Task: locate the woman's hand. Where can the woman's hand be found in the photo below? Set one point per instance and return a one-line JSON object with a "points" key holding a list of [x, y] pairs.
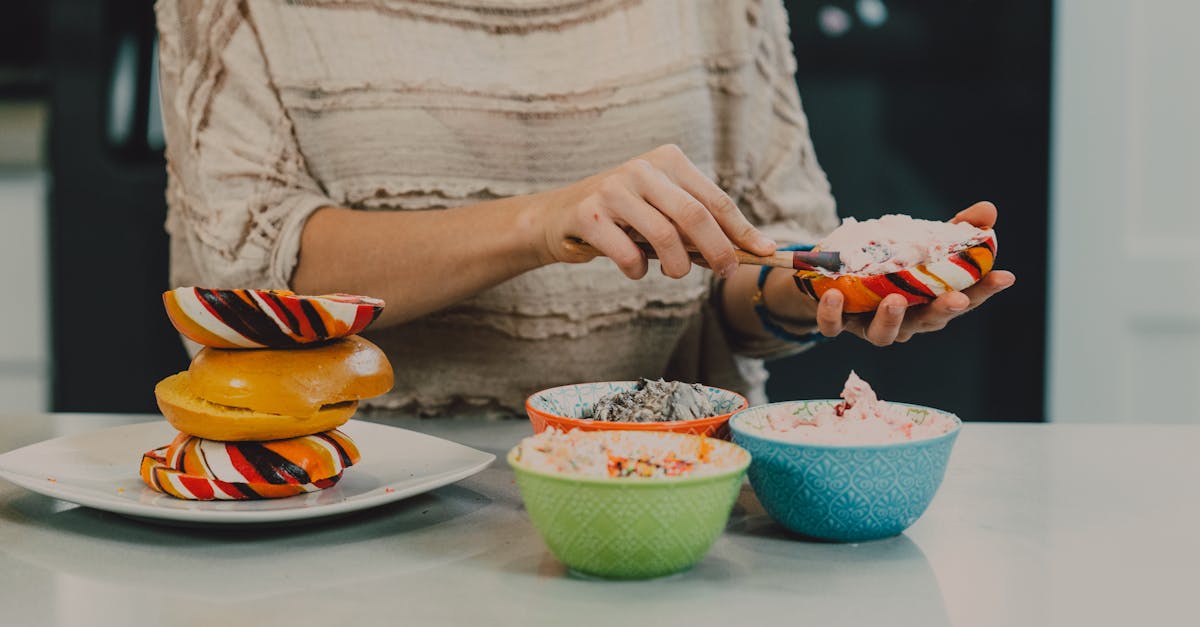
{"points": [[663, 197], [893, 322]]}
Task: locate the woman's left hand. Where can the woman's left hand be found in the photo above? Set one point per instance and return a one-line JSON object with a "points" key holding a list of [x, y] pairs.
{"points": [[894, 322]]}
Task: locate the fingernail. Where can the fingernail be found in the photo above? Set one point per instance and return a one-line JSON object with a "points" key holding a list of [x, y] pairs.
{"points": [[895, 310], [762, 241], [834, 298], [955, 308]]}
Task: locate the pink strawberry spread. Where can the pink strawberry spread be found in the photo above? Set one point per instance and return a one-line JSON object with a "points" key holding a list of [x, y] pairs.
{"points": [[896, 242], [860, 419]]}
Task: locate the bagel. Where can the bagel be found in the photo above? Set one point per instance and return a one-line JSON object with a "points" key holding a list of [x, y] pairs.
{"points": [[955, 267], [245, 318], [288, 381], [196, 416], [200, 469]]}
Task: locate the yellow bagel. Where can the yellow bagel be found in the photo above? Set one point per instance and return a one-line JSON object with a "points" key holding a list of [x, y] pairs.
{"points": [[291, 381], [196, 416]]}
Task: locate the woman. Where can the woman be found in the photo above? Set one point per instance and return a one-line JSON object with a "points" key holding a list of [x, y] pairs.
{"points": [[444, 156]]}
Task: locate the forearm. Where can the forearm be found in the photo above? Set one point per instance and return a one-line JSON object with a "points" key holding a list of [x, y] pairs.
{"points": [[784, 300], [422, 261], [418, 261]]}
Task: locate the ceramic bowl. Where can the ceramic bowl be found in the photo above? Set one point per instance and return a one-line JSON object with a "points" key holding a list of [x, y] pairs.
{"points": [[564, 407], [841, 493], [633, 527]]}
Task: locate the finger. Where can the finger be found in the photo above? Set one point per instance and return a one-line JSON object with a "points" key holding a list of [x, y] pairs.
{"points": [[691, 217], [886, 323], [948, 305], [981, 214], [615, 243], [829, 313], [671, 160], [935, 315], [995, 282], [653, 226]]}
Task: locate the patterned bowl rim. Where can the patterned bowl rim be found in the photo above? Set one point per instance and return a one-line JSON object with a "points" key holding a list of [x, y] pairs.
{"points": [[640, 482], [735, 426], [632, 426]]}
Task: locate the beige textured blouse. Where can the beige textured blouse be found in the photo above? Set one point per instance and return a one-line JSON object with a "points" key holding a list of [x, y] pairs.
{"points": [[274, 109]]}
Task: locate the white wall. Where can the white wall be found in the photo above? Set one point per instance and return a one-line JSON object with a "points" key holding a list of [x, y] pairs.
{"points": [[1125, 236], [23, 322], [24, 326]]}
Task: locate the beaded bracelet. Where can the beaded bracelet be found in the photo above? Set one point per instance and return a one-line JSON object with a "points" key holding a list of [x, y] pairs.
{"points": [[764, 316]]}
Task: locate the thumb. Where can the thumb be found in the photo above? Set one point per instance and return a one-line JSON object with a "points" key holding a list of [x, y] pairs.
{"points": [[981, 214]]}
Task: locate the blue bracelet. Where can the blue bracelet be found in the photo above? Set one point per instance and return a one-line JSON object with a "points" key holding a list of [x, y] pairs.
{"points": [[764, 316]]}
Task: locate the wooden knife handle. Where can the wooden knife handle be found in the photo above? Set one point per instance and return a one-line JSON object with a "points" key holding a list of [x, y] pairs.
{"points": [[780, 259]]}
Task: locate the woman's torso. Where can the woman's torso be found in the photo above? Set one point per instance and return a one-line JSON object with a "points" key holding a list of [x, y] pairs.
{"points": [[423, 106]]}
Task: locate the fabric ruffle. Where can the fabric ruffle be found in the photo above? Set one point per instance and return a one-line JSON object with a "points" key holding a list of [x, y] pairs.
{"points": [[273, 110]]}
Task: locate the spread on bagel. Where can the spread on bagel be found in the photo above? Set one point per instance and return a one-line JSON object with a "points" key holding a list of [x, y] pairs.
{"points": [[896, 254], [259, 407]]}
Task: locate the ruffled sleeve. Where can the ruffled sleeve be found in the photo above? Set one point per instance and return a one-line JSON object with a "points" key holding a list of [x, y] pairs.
{"points": [[787, 193], [239, 190]]}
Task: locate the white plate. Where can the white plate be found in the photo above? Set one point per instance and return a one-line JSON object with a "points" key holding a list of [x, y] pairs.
{"points": [[100, 470]]}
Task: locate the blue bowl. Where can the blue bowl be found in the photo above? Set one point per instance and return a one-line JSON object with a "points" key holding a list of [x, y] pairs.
{"points": [[842, 493]]}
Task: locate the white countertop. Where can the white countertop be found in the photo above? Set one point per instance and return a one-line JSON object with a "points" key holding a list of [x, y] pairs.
{"points": [[1034, 525]]}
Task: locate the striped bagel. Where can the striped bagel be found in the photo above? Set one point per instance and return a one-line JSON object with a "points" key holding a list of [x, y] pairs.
{"points": [[243, 318], [919, 285], [204, 470]]}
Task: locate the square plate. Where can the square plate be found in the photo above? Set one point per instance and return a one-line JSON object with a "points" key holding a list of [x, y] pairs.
{"points": [[100, 469]]}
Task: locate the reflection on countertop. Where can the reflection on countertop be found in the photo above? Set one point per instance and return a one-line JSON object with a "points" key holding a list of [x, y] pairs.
{"points": [[1034, 525]]}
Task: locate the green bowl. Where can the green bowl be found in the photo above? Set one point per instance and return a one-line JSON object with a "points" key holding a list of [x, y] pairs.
{"points": [[630, 528]]}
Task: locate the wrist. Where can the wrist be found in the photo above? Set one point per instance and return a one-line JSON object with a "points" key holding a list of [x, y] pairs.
{"points": [[530, 225], [785, 302], [792, 317]]}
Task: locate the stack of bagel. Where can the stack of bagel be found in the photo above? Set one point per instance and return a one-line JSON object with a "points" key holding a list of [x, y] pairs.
{"points": [[259, 407]]}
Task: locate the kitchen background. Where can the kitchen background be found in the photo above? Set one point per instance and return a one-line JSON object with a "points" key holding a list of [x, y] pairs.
{"points": [[1076, 117]]}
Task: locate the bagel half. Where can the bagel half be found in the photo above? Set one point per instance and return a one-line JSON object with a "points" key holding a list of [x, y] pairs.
{"points": [[291, 382], [200, 469], [245, 318], [918, 285]]}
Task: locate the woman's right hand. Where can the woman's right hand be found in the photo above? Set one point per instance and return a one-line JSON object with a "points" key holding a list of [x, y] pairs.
{"points": [[663, 197]]}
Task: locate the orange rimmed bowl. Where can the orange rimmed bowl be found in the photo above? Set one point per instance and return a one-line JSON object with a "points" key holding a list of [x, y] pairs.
{"points": [[565, 406]]}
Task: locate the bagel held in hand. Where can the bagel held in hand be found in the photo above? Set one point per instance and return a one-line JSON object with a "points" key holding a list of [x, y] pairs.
{"points": [[893, 321], [947, 264]]}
